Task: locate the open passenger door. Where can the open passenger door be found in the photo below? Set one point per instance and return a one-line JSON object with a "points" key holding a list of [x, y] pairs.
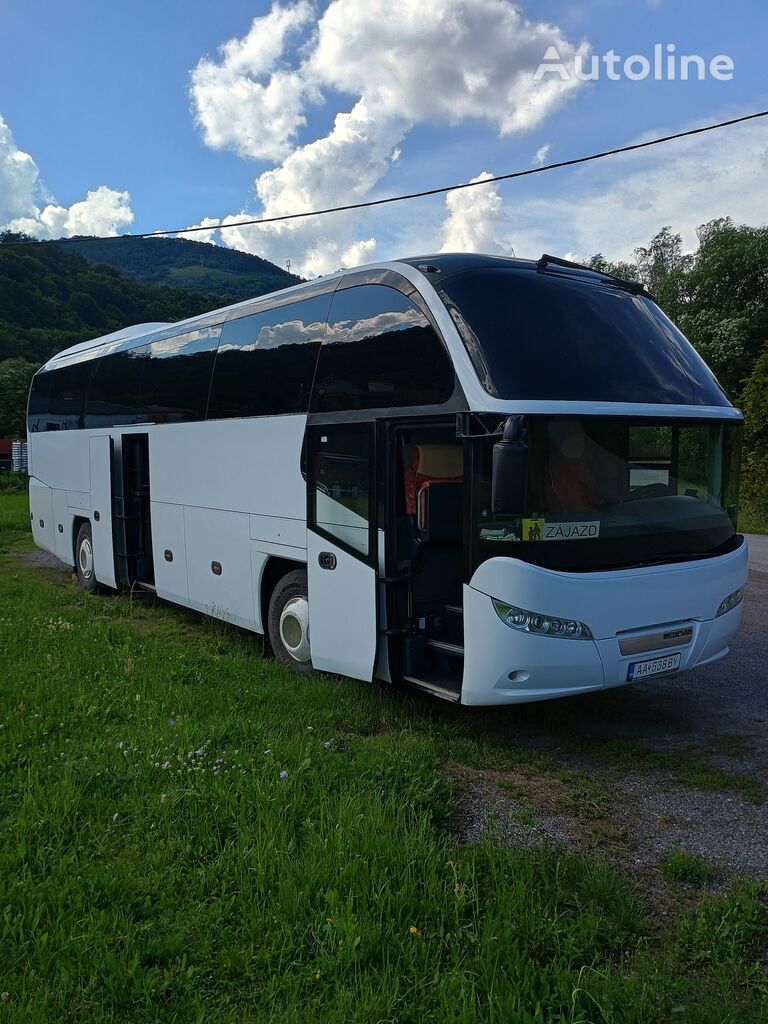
{"points": [[342, 551]]}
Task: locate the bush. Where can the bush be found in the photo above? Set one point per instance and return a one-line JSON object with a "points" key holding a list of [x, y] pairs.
{"points": [[754, 487], [13, 483]]}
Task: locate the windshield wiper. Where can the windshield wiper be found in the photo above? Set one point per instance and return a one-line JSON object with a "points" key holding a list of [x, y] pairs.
{"points": [[618, 282]]}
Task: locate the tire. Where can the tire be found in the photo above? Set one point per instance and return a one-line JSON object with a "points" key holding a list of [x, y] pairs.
{"points": [[84, 566], [288, 623]]}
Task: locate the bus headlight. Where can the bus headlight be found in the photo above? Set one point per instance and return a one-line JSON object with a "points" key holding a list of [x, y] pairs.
{"points": [[730, 602], [541, 625]]}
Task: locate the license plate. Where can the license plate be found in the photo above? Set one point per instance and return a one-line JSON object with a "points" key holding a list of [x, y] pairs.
{"points": [[653, 667]]}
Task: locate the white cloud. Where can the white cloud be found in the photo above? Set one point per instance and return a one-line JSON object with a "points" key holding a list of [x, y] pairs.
{"points": [[212, 223], [540, 156], [456, 60], [18, 178], [398, 58], [235, 110], [476, 221], [103, 212], [26, 206], [618, 204]]}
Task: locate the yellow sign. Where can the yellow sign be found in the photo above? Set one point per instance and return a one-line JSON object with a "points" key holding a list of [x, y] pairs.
{"points": [[533, 529]]}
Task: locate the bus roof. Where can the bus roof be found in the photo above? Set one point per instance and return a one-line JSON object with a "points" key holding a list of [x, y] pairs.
{"points": [[434, 267]]}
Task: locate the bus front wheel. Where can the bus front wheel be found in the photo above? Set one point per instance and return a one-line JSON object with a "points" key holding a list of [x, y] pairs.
{"points": [[288, 622], [84, 559]]}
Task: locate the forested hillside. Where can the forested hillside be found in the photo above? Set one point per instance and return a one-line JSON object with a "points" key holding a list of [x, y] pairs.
{"points": [[51, 298], [185, 263]]}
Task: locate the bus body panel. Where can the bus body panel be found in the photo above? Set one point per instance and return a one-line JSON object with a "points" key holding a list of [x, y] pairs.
{"points": [[503, 665], [64, 519], [237, 465], [61, 459], [169, 552], [41, 514], [218, 565]]}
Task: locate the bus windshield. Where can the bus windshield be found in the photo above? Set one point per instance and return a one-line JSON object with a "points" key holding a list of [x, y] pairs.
{"points": [[561, 337], [606, 493]]}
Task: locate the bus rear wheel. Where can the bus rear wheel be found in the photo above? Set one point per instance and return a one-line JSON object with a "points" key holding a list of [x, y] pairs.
{"points": [[288, 622], [84, 560]]}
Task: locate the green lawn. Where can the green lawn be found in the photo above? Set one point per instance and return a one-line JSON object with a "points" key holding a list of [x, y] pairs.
{"points": [[155, 866]]}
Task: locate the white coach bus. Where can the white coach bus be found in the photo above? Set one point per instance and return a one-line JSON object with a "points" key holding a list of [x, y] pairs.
{"points": [[495, 480]]}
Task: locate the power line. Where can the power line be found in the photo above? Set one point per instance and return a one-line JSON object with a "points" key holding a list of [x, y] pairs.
{"points": [[427, 192]]}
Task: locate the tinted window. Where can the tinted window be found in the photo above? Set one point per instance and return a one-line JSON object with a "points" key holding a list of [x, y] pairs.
{"points": [[341, 472], [56, 397], [379, 351], [266, 362], [178, 375], [548, 336], [116, 394], [165, 381]]}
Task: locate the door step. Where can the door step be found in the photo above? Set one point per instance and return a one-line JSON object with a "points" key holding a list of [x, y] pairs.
{"points": [[453, 650], [433, 688]]}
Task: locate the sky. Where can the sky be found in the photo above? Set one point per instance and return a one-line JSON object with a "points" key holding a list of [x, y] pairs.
{"points": [[122, 117]]}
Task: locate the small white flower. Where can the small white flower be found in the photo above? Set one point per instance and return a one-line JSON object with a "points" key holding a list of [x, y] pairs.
{"points": [[327, 745], [283, 774]]}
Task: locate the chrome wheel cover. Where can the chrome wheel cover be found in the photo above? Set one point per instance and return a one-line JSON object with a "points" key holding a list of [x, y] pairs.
{"points": [[294, 629], [85, 558]]}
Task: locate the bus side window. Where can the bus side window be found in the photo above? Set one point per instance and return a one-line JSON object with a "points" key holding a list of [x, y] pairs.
{"points": [[266, 361], [56, 397], [163, 381], [379, 351], [117, 391], [178, 375]]}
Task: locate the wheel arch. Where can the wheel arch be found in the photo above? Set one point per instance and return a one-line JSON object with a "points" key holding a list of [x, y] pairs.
{"points": [[77, 522], [274, 569]]}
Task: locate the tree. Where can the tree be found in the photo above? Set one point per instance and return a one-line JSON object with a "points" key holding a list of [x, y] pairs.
{"points": [[726, 313], [15, 379], [755, 468], [626, 271], [663, 268]]}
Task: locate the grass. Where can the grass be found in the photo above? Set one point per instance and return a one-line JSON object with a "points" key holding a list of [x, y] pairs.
{"points": [[689, 767], [155, 866], [680, 866]]}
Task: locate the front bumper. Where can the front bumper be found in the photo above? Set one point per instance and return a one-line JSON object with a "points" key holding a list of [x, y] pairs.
{"points": [[505, 666]]}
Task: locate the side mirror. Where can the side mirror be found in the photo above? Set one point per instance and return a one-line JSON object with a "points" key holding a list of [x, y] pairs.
{"points": [[509, 488]]}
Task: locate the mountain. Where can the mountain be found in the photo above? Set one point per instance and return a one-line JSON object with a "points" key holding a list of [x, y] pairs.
{"points": [[183, 263], [51, 298]]}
